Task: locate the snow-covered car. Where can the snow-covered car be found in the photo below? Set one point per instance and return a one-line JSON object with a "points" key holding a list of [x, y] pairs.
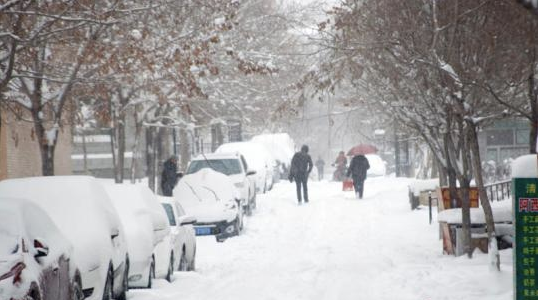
{"points": [[257, 158], [140, 233], [34, 255], [378, 167], [82, 210], [212, 199], [182, 237], [281, 148], [234, 166], [161, 260]]}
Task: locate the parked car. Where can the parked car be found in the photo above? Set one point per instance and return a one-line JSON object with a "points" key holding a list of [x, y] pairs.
{"points": [[211, 198], [82, 210], [162, 253], [258, 158], [140, 233], [378, 167], [182, 238], [235, 166], [35, 258]]}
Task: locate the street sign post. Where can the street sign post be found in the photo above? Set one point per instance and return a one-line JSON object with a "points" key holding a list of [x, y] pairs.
{"points": [[525, 204]]}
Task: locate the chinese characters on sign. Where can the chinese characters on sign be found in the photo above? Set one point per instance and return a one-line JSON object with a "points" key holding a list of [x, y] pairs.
{"points": [[526, 246]]}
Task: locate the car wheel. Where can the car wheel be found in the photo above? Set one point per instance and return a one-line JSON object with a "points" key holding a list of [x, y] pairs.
{"points": [[151, 273], [124, 282], [248, 209], [192, 264], [109, 284], [183, 263], [76, 290], [34, 293], [170, 268], [237, 226]]}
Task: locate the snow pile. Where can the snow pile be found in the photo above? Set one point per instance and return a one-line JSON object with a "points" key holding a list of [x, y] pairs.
{"points": [[207, 195], [418, 185], [280, 145], [502, 212], [525, 166]]}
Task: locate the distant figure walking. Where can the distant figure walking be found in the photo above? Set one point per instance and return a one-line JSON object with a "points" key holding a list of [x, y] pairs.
{"points": [[357, 169], [301, 166], [340, 163], [169, 176], [320, 164]]}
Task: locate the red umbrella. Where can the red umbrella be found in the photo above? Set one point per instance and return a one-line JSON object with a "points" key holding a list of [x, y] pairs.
{"points": [[362, 149]]}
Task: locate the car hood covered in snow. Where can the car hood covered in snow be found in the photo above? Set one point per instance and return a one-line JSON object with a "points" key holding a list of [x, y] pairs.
{"points": [[207, 195]]}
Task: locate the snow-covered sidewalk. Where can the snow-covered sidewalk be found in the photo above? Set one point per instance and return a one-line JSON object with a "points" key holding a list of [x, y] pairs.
{"points": [[336, 247]]}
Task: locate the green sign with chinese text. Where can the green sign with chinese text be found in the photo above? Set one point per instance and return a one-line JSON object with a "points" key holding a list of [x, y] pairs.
{"points": [[525, 201]]}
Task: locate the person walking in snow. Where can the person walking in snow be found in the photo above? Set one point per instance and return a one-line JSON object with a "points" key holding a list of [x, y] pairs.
{"points": [[301, 166], [340, 164], [357, 169], [320, 164], [169, 176]]}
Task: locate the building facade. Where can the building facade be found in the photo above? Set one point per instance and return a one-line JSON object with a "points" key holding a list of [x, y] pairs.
{"points": [[19, 149]]}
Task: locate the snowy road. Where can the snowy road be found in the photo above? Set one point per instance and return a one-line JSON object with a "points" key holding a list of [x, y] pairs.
{"points": [[336, 247]]}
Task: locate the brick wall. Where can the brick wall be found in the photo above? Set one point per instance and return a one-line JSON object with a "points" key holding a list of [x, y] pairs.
{"points": [[19, 151]]}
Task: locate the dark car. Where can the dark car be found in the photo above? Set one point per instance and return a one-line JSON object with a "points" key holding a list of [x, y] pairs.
{"points": [[34, 255]]}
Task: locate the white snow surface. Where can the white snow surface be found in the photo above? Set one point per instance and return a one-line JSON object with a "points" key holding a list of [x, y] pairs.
{"points": [[418, 185], [335, 247], [525, 166], [502, 212]]}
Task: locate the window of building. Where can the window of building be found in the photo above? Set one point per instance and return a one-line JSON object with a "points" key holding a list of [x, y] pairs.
{"points": [[500, 137], [522, 136], [491, 154]]}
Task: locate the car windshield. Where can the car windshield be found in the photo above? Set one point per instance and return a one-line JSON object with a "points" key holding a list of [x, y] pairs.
{"points": [[170, 213], [225, 166]]}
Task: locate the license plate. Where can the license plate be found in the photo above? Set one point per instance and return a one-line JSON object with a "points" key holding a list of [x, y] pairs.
{"points": [[202, 230]]}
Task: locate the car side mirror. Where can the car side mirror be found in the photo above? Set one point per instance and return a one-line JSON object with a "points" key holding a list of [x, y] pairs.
{"points": [[114, 233], [41, 248], [187, 220], [251, 172], [179, 175]]}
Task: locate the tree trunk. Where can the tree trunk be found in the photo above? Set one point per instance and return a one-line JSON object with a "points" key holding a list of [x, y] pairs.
{"points": [[533, 103], [184, 149], [84, 151], [150, 157], [134, 159], [495, 263]]}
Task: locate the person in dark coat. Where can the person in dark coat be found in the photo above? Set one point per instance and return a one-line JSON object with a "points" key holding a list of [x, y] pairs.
{"points": [[169, 176], [357, 169], [320, 164], [301, 166]]}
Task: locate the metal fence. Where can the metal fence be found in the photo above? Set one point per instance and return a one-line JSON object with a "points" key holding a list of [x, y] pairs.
{"points": [[499, 190]]}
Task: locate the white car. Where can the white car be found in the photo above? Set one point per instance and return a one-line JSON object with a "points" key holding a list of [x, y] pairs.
{"points": [[162, 253], [378, 167], [83, 212], [35, 258], [234, 166], [258, 158], [212, 199], [182, 237], [140, 233]]}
